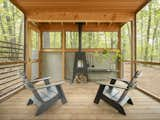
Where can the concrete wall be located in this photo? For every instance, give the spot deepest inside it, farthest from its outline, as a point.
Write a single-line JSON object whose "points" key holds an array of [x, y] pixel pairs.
{"points": [[35, 70], [69, 65], [52, 65], [35, 66]]}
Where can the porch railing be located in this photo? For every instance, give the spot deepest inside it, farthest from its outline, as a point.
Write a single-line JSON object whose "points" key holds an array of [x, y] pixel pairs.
{"points": [[11, 62]]}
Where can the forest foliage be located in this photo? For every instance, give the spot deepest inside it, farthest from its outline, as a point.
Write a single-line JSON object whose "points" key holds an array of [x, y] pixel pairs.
{"points": [[11, 23], [148, 34], [11, 32]]}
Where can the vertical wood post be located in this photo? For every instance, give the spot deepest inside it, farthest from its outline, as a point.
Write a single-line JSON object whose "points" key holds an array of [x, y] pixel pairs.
{"points": [[25, 39], [28, 50], [120, 52], [135, 41], [40, 55], [63, 53], [133, 46]]}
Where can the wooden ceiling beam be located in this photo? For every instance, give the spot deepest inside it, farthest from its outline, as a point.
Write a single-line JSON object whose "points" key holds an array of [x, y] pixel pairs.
{"points": [[48, 16], [122, 1], [80, 11], [90, 27], [109, 3]]}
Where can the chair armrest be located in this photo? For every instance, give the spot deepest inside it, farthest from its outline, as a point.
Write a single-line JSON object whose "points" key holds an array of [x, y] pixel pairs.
{"points": [[50, 85], [121, 80], [41, 79], [111, 85]]}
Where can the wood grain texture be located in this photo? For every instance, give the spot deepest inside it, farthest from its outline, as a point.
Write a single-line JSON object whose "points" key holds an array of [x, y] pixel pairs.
{"points": [[50, 50], [48, 16], [80, 106], [80, 10], [88, 27], [29, 28]]}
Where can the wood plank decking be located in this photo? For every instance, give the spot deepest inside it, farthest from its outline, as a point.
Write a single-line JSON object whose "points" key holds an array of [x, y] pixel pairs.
{"points": [[80, 106]]}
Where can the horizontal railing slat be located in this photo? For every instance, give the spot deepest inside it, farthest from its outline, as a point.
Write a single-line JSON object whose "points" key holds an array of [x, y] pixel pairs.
{"points": [[10, 66], [5, 42], [10, 86], [12, 52], [1, 73], [9, 81], [11, 62], [8, 76], [11, 48], [21, 85]]}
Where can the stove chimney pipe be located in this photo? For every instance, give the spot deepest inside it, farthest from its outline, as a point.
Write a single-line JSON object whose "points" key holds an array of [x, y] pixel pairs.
{"points": [[80, 35]]}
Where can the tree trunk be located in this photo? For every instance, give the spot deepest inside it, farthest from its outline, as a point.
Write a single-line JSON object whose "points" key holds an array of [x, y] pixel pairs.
{"points": [[154, 36], [10, 32], [20, 37], [90, 39], [148, 34], [13, 27], [141, 54], [3, 30], [54, 39], [71, 40], [129, 31], [105, 37], [20, 32], [112, 42]]}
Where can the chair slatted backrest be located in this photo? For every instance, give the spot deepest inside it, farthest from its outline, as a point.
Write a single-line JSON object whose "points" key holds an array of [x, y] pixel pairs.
{"points": [[131, 84], [133, 81], [31, 87]]}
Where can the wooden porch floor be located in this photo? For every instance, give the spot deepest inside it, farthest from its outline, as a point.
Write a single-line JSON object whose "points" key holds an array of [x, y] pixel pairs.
{"points": [[80, 106]]}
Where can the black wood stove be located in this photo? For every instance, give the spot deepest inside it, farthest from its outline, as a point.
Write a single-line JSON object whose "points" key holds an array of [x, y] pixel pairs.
{"points": [[80, 63]]}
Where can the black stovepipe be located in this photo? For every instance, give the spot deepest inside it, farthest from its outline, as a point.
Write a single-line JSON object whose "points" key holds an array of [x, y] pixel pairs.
{"points": [[80, 35]]}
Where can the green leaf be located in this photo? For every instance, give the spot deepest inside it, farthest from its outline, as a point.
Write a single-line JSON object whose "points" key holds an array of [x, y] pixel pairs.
{"points": [[1, 1]]}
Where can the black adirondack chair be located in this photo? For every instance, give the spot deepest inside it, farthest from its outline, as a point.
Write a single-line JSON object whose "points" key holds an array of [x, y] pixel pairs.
{"points": [[112, 94]]}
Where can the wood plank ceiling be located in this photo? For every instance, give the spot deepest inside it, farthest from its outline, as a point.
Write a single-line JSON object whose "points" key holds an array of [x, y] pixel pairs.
{"points": [[120, 11]]}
